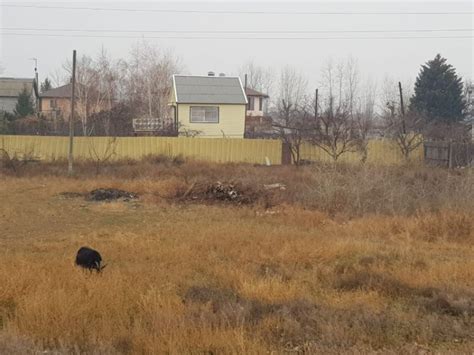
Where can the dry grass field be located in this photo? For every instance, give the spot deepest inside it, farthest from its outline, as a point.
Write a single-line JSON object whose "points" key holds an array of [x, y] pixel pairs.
{"points": [[345, 260]]}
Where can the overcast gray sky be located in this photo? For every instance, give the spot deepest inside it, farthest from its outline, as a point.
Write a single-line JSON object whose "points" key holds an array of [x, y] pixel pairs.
{"points": [[397, 58]]}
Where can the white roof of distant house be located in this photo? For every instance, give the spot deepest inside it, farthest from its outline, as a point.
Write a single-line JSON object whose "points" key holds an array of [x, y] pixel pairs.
{"points": [[11, 87], [193, 89]]}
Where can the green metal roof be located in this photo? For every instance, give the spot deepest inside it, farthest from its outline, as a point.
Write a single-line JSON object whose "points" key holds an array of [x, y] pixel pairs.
{"points": [[209, 90]]}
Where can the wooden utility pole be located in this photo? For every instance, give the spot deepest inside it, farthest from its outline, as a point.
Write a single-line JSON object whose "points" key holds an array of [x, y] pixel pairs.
{"points": [[71, 117], [37, 88], [37, 91], [316, 104], [402, 107]]}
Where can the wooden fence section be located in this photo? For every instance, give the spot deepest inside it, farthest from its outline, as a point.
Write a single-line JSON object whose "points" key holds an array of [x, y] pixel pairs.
{"points": [[379, 152], [449, 154], [209, 149], [256, 151]]}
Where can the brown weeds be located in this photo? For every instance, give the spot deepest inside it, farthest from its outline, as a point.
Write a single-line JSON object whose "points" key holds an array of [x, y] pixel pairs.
{"points": [[380, 273]]}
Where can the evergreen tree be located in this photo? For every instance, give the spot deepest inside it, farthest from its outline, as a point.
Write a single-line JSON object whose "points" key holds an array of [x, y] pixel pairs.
{"points": [[46, 85], [438, 92], [24, 106], [6, 119]]}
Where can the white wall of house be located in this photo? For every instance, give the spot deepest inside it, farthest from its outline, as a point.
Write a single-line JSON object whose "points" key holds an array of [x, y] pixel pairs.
{"points": [[8, 104], [230, 122], [256, 106]]}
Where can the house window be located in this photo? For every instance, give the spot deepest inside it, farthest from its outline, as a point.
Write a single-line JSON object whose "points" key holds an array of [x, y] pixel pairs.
{"points": [[52, 103], [251, 103], [204, 114], [260, 104]]}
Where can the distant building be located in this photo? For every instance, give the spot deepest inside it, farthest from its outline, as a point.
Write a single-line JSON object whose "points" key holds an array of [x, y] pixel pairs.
{"points": [[56, 103], [209, 106], [10, 88], [257, 123], [256, 102]]}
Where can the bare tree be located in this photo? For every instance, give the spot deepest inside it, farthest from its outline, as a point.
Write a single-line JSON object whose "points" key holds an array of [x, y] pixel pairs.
{"points": [[61, 76], [364, 117], [142, 83], [404, 128], [98, 88], [108, 86], [351, 77], [336, 133], [89, 98], [101, 155], [341, 127], [291, 116], [147, 81], [469, 98], [258, 77]]}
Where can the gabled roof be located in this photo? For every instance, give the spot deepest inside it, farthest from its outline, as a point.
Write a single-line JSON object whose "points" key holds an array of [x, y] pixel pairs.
{"points": [[59, 92], [11, 87], [208, 90], [252, 92]]}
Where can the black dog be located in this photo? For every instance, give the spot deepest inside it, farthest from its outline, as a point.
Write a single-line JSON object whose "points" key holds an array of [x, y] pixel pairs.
{"points": [[90, 259]]}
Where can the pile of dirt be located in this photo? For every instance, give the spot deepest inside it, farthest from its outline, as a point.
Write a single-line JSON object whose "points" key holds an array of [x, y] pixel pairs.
{"points": [[224, 192], [110, 194]]}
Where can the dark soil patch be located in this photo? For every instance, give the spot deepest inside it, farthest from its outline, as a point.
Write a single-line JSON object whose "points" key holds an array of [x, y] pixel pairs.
{"points": [[109, 194]]}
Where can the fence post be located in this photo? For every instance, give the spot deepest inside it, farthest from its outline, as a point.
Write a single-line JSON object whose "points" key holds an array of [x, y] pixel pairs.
{"points": [[450, 155]]}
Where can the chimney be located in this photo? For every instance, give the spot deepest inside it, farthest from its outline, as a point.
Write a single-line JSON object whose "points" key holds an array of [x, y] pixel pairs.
{"points": [[221, 74], [211, 73]]}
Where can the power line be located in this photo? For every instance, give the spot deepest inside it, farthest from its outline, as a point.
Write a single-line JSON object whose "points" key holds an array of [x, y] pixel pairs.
{"points": [[238, 11], [234, 31], [230, 38]]}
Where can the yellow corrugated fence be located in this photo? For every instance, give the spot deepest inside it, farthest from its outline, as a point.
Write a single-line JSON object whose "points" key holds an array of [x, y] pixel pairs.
{"points": [[255, 151], [380, 152], [209, 149]]}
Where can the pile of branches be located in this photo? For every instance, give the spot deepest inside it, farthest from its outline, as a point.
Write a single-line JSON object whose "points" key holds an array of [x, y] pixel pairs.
{"points": [[223, 192]]}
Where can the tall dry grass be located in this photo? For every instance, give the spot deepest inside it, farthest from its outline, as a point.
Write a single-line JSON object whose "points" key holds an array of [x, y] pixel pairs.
{"points": [[348, 190], [310, 274]]}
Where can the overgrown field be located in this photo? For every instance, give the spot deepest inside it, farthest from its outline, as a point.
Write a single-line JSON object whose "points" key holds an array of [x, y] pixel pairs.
{"points": [[343, 260]]}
